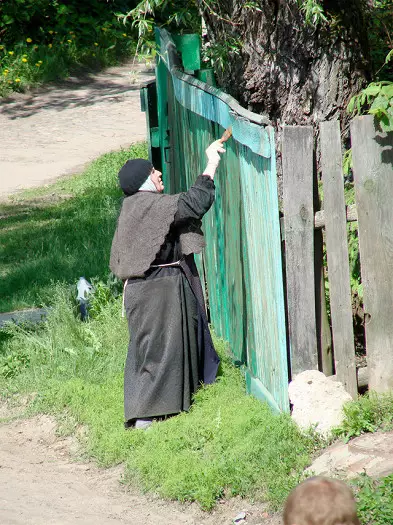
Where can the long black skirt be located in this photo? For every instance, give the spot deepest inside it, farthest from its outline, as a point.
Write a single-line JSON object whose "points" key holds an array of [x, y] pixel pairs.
{"points": [[170, 351]]}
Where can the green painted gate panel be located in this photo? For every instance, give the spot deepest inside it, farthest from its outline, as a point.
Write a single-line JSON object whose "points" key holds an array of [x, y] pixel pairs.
{"points": [[242, 259]]}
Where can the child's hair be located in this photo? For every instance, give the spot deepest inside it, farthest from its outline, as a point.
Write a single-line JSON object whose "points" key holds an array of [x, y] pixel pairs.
{"points": [[321, 501]]}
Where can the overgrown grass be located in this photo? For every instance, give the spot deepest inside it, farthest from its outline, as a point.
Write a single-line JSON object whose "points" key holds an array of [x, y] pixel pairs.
{"points": [[368, 413], [60, 233], [228, 444], [374, 500]]}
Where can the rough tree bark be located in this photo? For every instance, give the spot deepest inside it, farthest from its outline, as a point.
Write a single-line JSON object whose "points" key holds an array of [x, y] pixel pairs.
{"points": [[288, 70]]}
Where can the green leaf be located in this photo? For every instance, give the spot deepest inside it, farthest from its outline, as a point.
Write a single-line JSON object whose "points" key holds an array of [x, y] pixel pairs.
{"points": [[380, 103], [351, 105], [388, 91], [372, 90], [389, 56], [386, 123], [8, 19]]}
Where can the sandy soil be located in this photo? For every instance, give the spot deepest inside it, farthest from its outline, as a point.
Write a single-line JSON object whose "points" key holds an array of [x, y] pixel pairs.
{"points": [[57, 129], [42, 483]]}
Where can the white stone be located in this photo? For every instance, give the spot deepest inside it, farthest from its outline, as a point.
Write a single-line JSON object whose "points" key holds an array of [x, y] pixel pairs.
{"points": [[317, 401]]}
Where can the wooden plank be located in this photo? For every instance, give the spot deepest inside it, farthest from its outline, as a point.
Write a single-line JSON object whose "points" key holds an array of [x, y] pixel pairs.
{"points": [[337, 255], [373, 174], [324, 333], [350, 213], [319, 218], [362, 377], [323, 329], [297, 163]]}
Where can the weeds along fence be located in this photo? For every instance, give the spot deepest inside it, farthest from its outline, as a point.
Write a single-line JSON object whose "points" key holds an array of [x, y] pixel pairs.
{"points": [[312, 346], [242, 262]]}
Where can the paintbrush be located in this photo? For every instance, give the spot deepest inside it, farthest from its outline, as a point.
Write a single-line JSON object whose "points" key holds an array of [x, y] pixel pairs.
{"points": [[226, 135]]}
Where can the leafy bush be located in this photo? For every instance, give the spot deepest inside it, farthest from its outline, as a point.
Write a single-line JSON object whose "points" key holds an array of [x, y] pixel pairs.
{"points": [[40, 20], [43, 40], [103, 294], [378, 98], [13, 363]]}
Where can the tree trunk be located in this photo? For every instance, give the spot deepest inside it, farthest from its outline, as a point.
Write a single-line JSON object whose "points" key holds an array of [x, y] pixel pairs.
{"points": [[288, 70]]}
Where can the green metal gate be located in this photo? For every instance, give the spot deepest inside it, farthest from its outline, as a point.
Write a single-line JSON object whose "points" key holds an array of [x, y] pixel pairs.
{"points": [[242, 261]]}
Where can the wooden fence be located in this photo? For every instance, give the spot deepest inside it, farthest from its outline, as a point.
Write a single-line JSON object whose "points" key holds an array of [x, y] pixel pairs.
{"points": [[242, 263], [373, 179]]}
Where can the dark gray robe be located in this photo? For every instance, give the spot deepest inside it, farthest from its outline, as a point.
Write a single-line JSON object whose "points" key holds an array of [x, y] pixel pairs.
{"points": [[170, 351]]}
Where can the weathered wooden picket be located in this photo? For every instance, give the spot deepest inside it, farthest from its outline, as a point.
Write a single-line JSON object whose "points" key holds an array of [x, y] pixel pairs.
{"points": [[242, 263], [373, 179]]}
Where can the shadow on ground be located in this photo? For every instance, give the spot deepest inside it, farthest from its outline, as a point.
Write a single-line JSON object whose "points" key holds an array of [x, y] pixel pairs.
{"points": [[86, 89], [45, 242]]}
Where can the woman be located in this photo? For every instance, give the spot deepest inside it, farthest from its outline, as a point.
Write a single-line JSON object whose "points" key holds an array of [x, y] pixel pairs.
{"points": [[170, 351]]}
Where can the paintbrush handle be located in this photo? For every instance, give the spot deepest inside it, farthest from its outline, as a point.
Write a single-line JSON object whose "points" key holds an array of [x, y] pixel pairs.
{"points": [[226, 135]]}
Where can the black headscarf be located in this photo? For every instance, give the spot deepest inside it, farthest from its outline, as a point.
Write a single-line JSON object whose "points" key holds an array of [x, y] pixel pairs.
{"points": [[133, 174]]}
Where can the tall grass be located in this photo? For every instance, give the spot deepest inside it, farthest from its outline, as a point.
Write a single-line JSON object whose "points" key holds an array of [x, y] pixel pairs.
{"points": [[228, 444], [60, 233]]}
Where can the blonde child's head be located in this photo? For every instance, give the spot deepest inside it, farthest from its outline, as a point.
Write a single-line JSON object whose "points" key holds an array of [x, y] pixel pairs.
{"points": [[321, 501]]}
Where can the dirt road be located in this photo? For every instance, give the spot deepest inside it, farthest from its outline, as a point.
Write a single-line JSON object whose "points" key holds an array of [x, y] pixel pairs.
{"points": [[41, 483], [57, 129]]}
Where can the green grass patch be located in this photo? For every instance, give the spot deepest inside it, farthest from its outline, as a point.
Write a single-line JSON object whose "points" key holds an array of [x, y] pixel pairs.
{"points": [[228, 444], [61, 232]]}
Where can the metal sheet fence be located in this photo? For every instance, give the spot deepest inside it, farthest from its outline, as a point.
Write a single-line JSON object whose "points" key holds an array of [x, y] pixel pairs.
{"points": [[242, 261]]}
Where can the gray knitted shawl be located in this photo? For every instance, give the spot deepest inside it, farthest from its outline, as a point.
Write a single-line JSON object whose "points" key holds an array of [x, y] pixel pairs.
{"points": [[144, 222]]}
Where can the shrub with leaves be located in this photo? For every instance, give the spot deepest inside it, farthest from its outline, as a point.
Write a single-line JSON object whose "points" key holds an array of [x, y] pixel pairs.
{"points": [[43, 40], [378, 99], [369, 413]]}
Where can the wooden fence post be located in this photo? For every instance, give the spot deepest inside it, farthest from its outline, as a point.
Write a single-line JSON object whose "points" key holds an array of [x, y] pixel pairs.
{"points": [[373, 173], [297, 163], [337, 255]]}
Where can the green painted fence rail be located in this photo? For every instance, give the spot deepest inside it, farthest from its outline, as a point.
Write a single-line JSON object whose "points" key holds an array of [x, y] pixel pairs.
{"points": [[242, 262]]}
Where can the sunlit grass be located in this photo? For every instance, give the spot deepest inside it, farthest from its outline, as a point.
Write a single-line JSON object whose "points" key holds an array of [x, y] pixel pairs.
{"points": [[61, 232]]}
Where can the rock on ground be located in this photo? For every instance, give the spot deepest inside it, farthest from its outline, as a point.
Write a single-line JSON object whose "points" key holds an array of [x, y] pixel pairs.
{"points": [[317, 401], [371, 454], [31, 315]]}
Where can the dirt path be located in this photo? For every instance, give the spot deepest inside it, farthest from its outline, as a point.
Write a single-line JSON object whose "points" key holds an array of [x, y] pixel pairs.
{"points": [[41, 484], [56, 129]]}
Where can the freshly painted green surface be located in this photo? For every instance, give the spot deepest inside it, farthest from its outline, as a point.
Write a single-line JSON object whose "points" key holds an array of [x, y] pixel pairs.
{"points": [[207, 76], [242, 259], [188, 47]]}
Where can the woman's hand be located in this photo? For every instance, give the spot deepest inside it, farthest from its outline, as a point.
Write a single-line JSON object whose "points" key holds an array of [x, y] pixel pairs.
{"points": [[213, 157]]}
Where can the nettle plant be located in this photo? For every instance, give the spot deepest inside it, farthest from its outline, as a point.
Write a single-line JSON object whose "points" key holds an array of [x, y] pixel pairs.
{"points": [[376, 99]]}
